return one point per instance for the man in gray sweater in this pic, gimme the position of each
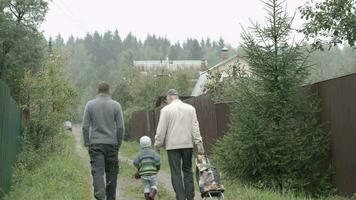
(104, 117)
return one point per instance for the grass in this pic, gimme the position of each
(234, 190)
(60, 176)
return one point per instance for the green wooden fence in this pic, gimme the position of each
(10, 136)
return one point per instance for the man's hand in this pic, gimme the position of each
(200, 149)
(156, 149)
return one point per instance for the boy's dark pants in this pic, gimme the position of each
(104, 161)
(175, 158)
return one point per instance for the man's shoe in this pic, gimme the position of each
(153, 194)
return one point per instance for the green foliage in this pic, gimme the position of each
(214, 84)
(275, 140)
(54, 175)
(21, 43)
(146, 88)
(136, 91)
(330, 21)
(122, 94)
(221, 86)
(39, 85)
(29, 12)
(48, 103)
(244, 192)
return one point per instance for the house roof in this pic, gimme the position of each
(199, 86)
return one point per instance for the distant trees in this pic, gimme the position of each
(110, 57)
(195, 51)
(109, 46)
(333, 63)
(330, 21)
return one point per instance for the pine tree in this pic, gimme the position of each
(275, 140)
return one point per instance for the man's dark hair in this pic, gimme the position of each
(104, 88)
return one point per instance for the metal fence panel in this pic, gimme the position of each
(206, 113)
(338, 102)
(139, 124)
(10, 136)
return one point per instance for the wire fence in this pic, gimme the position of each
(10, 136)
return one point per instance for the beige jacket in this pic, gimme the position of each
(178, 127)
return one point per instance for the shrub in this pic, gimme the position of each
(48, 102)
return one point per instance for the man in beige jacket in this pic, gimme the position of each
(178, 130)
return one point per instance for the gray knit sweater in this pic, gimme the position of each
(104, 116)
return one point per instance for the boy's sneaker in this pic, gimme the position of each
(147, 196)
(153, 193)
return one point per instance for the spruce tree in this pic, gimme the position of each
(276, 140)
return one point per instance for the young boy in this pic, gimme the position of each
(148, 164)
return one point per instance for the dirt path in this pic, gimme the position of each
(164, 178)
(83, 154)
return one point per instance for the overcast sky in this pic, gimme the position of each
(175, 19)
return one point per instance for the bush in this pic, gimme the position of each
(48, 100)
(48, 103)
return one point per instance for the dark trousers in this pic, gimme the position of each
(183, 187)
(104, 161)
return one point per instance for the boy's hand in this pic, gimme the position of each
(137, 175)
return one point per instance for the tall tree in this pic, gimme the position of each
(21, 43)
(275, 140)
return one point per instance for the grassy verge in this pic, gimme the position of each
(234, 190)
(59, 175)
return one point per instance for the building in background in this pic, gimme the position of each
(169, 65)
(221, 67)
